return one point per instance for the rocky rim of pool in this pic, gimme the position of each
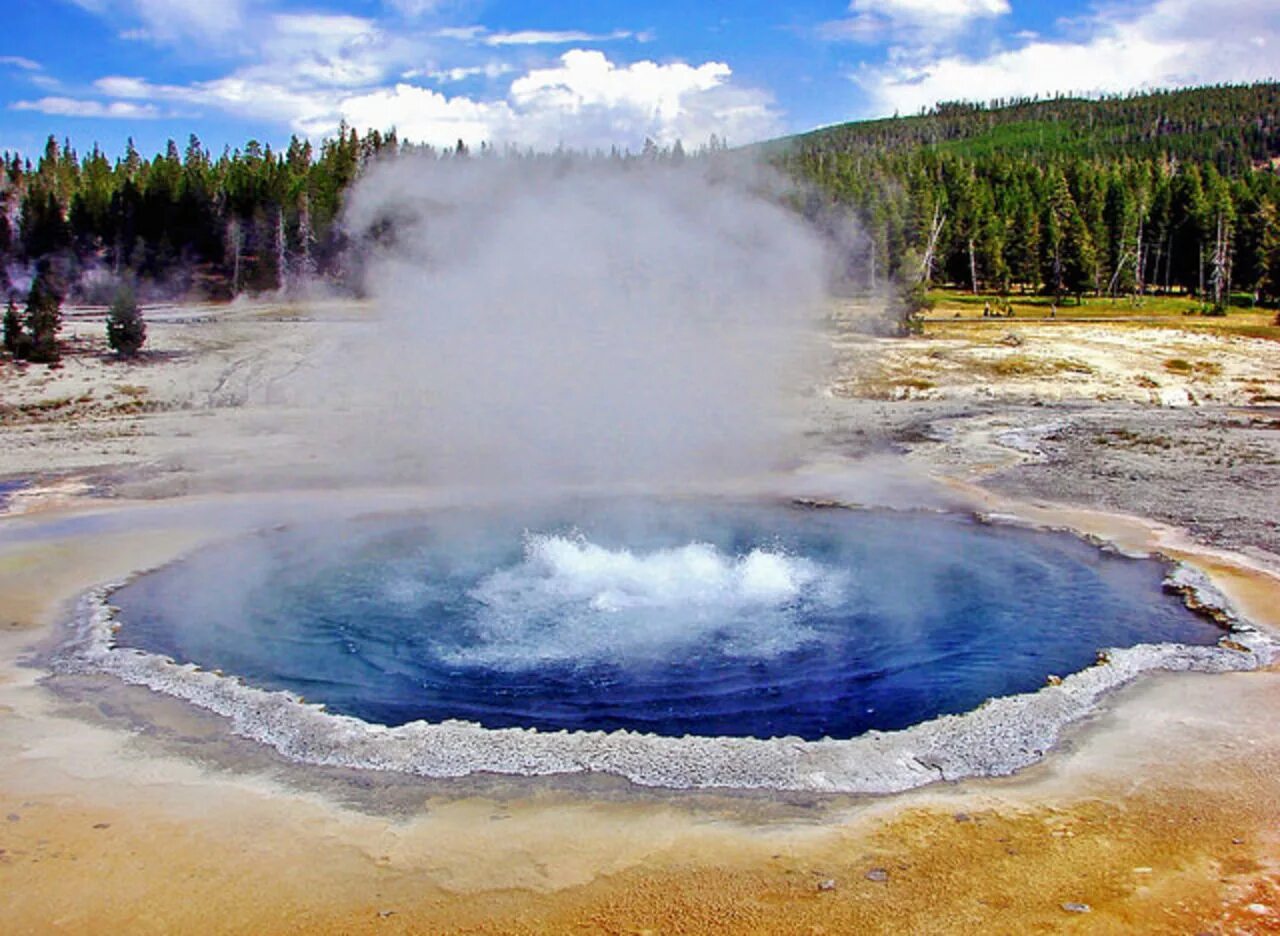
(997, 737)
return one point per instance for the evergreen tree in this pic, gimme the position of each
(126, 329)
(911, 296)
(44, 318)
(16, 341)
(1023, 241)
(1121, 221)
(1265, 271)
(6, 240)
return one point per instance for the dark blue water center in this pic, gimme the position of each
(673, 618)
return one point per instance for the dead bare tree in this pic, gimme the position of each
(931, 248)
(973, 268)
(1221, 276)
(235, 244)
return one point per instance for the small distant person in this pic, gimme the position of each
(1053, 310)
(986, 310)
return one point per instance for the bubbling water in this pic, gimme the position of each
(571, 600)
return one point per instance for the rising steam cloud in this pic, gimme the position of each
(554, 322)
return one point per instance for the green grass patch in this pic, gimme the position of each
(955, 307)
(1187, 368)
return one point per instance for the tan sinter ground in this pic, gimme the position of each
(1159, 815)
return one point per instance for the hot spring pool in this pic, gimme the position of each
(670, 619)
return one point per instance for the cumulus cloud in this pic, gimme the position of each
(309, 71)
(423, 115)
(583, 101)
(1170, 43)
(586, 100)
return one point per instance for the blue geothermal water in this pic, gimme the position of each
(673, 618)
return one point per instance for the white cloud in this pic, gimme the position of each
(310, 70)
(168, 21)
(912, 20)
(308, 110)
(489, 70)
(552, 37)
(584, 81)
(73, 107)
(413, 8)
(1170, 43)
(534, 37)
(304, 65)
(460, 33)
(920, 11)
(324, 27)
(29, 71)
(427, 116)
(322, 50)
(584, 101)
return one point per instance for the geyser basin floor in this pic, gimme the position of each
(1180, 774)
(728, 623)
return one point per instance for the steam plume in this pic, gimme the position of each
(559, 322)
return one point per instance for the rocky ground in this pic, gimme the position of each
(1213, 470)
(204, 397)
(1194, 443)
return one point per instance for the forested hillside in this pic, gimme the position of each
(187, 224)
(182, 223)
(1173, 191)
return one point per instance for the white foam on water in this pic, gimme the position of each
(571, 600)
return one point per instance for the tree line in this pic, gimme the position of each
(1173, 192)
(187, 224)
(183, 222)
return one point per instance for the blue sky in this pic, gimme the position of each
(578, 73)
